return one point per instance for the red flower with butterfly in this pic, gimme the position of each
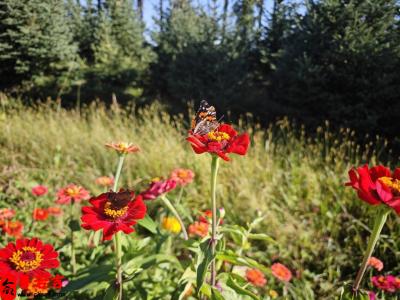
(208, 135)
(113, 212)
(377, 185)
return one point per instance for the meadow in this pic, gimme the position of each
(288, 189)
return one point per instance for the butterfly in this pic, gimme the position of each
(205, 119)
(121, 199)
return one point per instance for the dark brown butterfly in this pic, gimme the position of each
(120, 199)
(205, 119)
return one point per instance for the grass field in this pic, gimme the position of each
(295, 179)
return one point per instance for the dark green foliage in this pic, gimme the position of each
(36, 47)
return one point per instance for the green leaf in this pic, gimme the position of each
(111, 292)
(204, 259)
(90, 275)
(241, 261)
(74, 225)
(216, 295)
(149, 224)
(239, 289)
(142, 262)
(261, 236)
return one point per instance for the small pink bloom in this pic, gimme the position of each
(70, 193)
(39, 190)
(105, 181)
(376, 263)
(372, 296)
(182, 176)
(158, 187)
(6, 214)
(281, 272)
(123, 148)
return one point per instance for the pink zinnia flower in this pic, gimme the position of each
(281, 272)
(375, 263)
(6, 214)
(387, 283)
(39, 190)
(158, 187)
(182, 176)
(70, 193)
(105, 181)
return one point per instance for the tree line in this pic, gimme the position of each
(311, 59)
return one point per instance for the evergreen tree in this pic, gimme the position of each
(35, 44)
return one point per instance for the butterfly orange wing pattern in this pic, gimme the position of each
(205, 119)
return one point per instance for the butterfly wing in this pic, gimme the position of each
(205, 119)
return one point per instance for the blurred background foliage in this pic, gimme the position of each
(335, 60)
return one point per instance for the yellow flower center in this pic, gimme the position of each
(218, 136)
(156, 179)
(114, 213)
(171, 224)
(183, 174)
(390, 182)
(73, 191)
(26, 260)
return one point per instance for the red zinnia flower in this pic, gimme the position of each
(281, 272)
(158, 187)
(387, 283)
(182, 176)
(28, 257)
(375, 263)
(113, 212)
(221, 141)
(13, 228)
(72, 192)
(6, 214)
(40, 214)
(105, 181)
(39, 190)
(123, 148)
(54, 210)
(377, 185)
(256, 277)
(198, 228)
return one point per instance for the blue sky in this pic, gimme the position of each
(150, 8)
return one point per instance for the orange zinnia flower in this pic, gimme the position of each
(40, 214)
(281, 272)
(105, 181)
(54, 210)
(256, 277)
(13, 228)
(123, 148)
(70, 193)
(198, 228)
(182, 176)
(375, 263)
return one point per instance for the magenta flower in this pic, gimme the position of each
(158, 187)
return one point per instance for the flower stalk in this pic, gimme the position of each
(117, 236)
(214, 172)
(176, 214)
(71, 216)
(380, 221)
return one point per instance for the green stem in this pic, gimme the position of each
(379, 223)
(214, 171)
(73, 259)
(180, 195)
(176, 214)
(33, 219)
(117, 236)
(118, 172)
